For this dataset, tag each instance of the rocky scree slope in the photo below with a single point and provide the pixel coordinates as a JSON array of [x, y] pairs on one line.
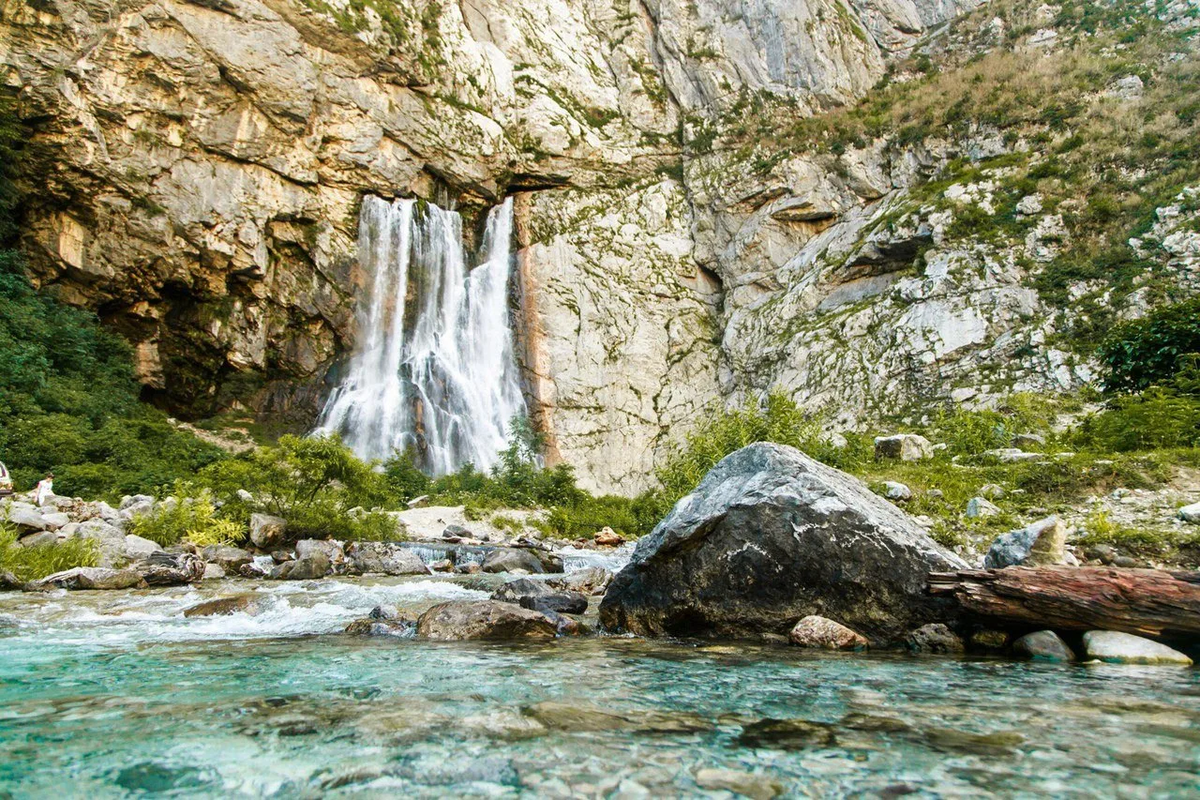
[[194, 172]]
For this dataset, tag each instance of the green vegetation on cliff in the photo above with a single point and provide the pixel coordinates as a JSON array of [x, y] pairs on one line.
[[68, 399]]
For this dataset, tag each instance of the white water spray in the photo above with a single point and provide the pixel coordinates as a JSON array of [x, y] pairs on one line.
[[434, 369]]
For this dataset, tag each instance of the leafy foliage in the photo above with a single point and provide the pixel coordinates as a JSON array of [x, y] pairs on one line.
[[35, 563], [187, 514], [316, 484], [1152, 350]]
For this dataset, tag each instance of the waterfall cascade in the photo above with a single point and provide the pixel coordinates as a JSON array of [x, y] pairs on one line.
[[434, 368]]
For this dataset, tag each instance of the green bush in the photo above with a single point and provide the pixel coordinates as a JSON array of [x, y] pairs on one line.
[[973, 432], [315, 483], [35, 563], [188, 514], [1152, 350]]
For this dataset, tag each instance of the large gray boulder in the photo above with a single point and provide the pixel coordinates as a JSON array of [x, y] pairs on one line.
[[771, 536], [267, 532], [512, 559]]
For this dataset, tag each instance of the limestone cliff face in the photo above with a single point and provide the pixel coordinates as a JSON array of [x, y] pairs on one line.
[[196, 170]]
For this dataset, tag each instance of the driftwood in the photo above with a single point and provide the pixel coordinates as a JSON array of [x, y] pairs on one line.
[[1147, 602]]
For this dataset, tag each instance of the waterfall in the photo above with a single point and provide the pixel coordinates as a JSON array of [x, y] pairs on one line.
[[434, 368]]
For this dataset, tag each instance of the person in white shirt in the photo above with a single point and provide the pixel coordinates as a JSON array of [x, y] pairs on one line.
[[44, 490]]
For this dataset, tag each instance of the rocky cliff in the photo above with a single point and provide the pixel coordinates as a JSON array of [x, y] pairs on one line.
[[195, 170]]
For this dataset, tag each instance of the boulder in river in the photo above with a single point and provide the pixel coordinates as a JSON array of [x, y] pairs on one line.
[[170, 569], [384, 558], [226, 556], [250, 604], [589, 580], [1125, 648], [819, 632], [313, 566], [483, 619], [90, 578], [267, 532], [540, 597], [512, 559], [1042, 646], [771, 536]]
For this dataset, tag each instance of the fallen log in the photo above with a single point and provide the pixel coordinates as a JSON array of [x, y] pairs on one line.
[[1146, 602]]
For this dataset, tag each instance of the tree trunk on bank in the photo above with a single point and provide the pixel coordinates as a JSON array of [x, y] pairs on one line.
[[1146, 602]]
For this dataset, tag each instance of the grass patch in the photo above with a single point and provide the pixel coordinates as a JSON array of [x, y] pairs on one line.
[[35, 563]]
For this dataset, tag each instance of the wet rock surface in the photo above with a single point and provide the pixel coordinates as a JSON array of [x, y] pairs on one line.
[[819, 632], [483, 619], [771, 536], [1042, 646], [1125, 648]]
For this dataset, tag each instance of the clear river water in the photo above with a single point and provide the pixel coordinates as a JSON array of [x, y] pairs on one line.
[[107, 694]]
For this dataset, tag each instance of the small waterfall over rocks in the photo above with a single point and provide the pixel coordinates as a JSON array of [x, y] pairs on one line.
[[434, 368]]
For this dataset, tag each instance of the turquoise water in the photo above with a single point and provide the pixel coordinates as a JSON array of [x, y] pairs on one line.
[[106, 694]]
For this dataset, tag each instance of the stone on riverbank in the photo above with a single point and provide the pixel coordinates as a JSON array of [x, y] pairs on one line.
[[1042, 646], [934, 638], [1190, 513], [771, 536], [90, 578], [820, 632], [267, 532], [170, 569], [1040, 544], [483, 619], [227, 557], [902, 446], [1125, 648]]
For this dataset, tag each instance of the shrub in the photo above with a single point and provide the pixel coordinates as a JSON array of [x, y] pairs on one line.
[[35, 563], [316, 484], [1152, 350], [187, 514]]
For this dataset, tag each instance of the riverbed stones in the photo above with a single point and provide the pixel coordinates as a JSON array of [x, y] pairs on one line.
[[383, 558], [1043, 543], [934, 638], [249, 604], [512, 559], [819, 632], [483, 619], [1190, 513], [1042, 646], [91, 578], [581, 717], [771, 536], [903, 447], [1125, 648], [745, 784], [267, 532], [170, 569]]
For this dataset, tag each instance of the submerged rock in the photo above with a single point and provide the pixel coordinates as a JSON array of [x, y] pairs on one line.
[[483, 619], [746, 784], [1042, 646], [985, 744], [580, 717], [1125, 648], [238, 604], [1042, 543], [815, 631], [787, 734], [771, 536]]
